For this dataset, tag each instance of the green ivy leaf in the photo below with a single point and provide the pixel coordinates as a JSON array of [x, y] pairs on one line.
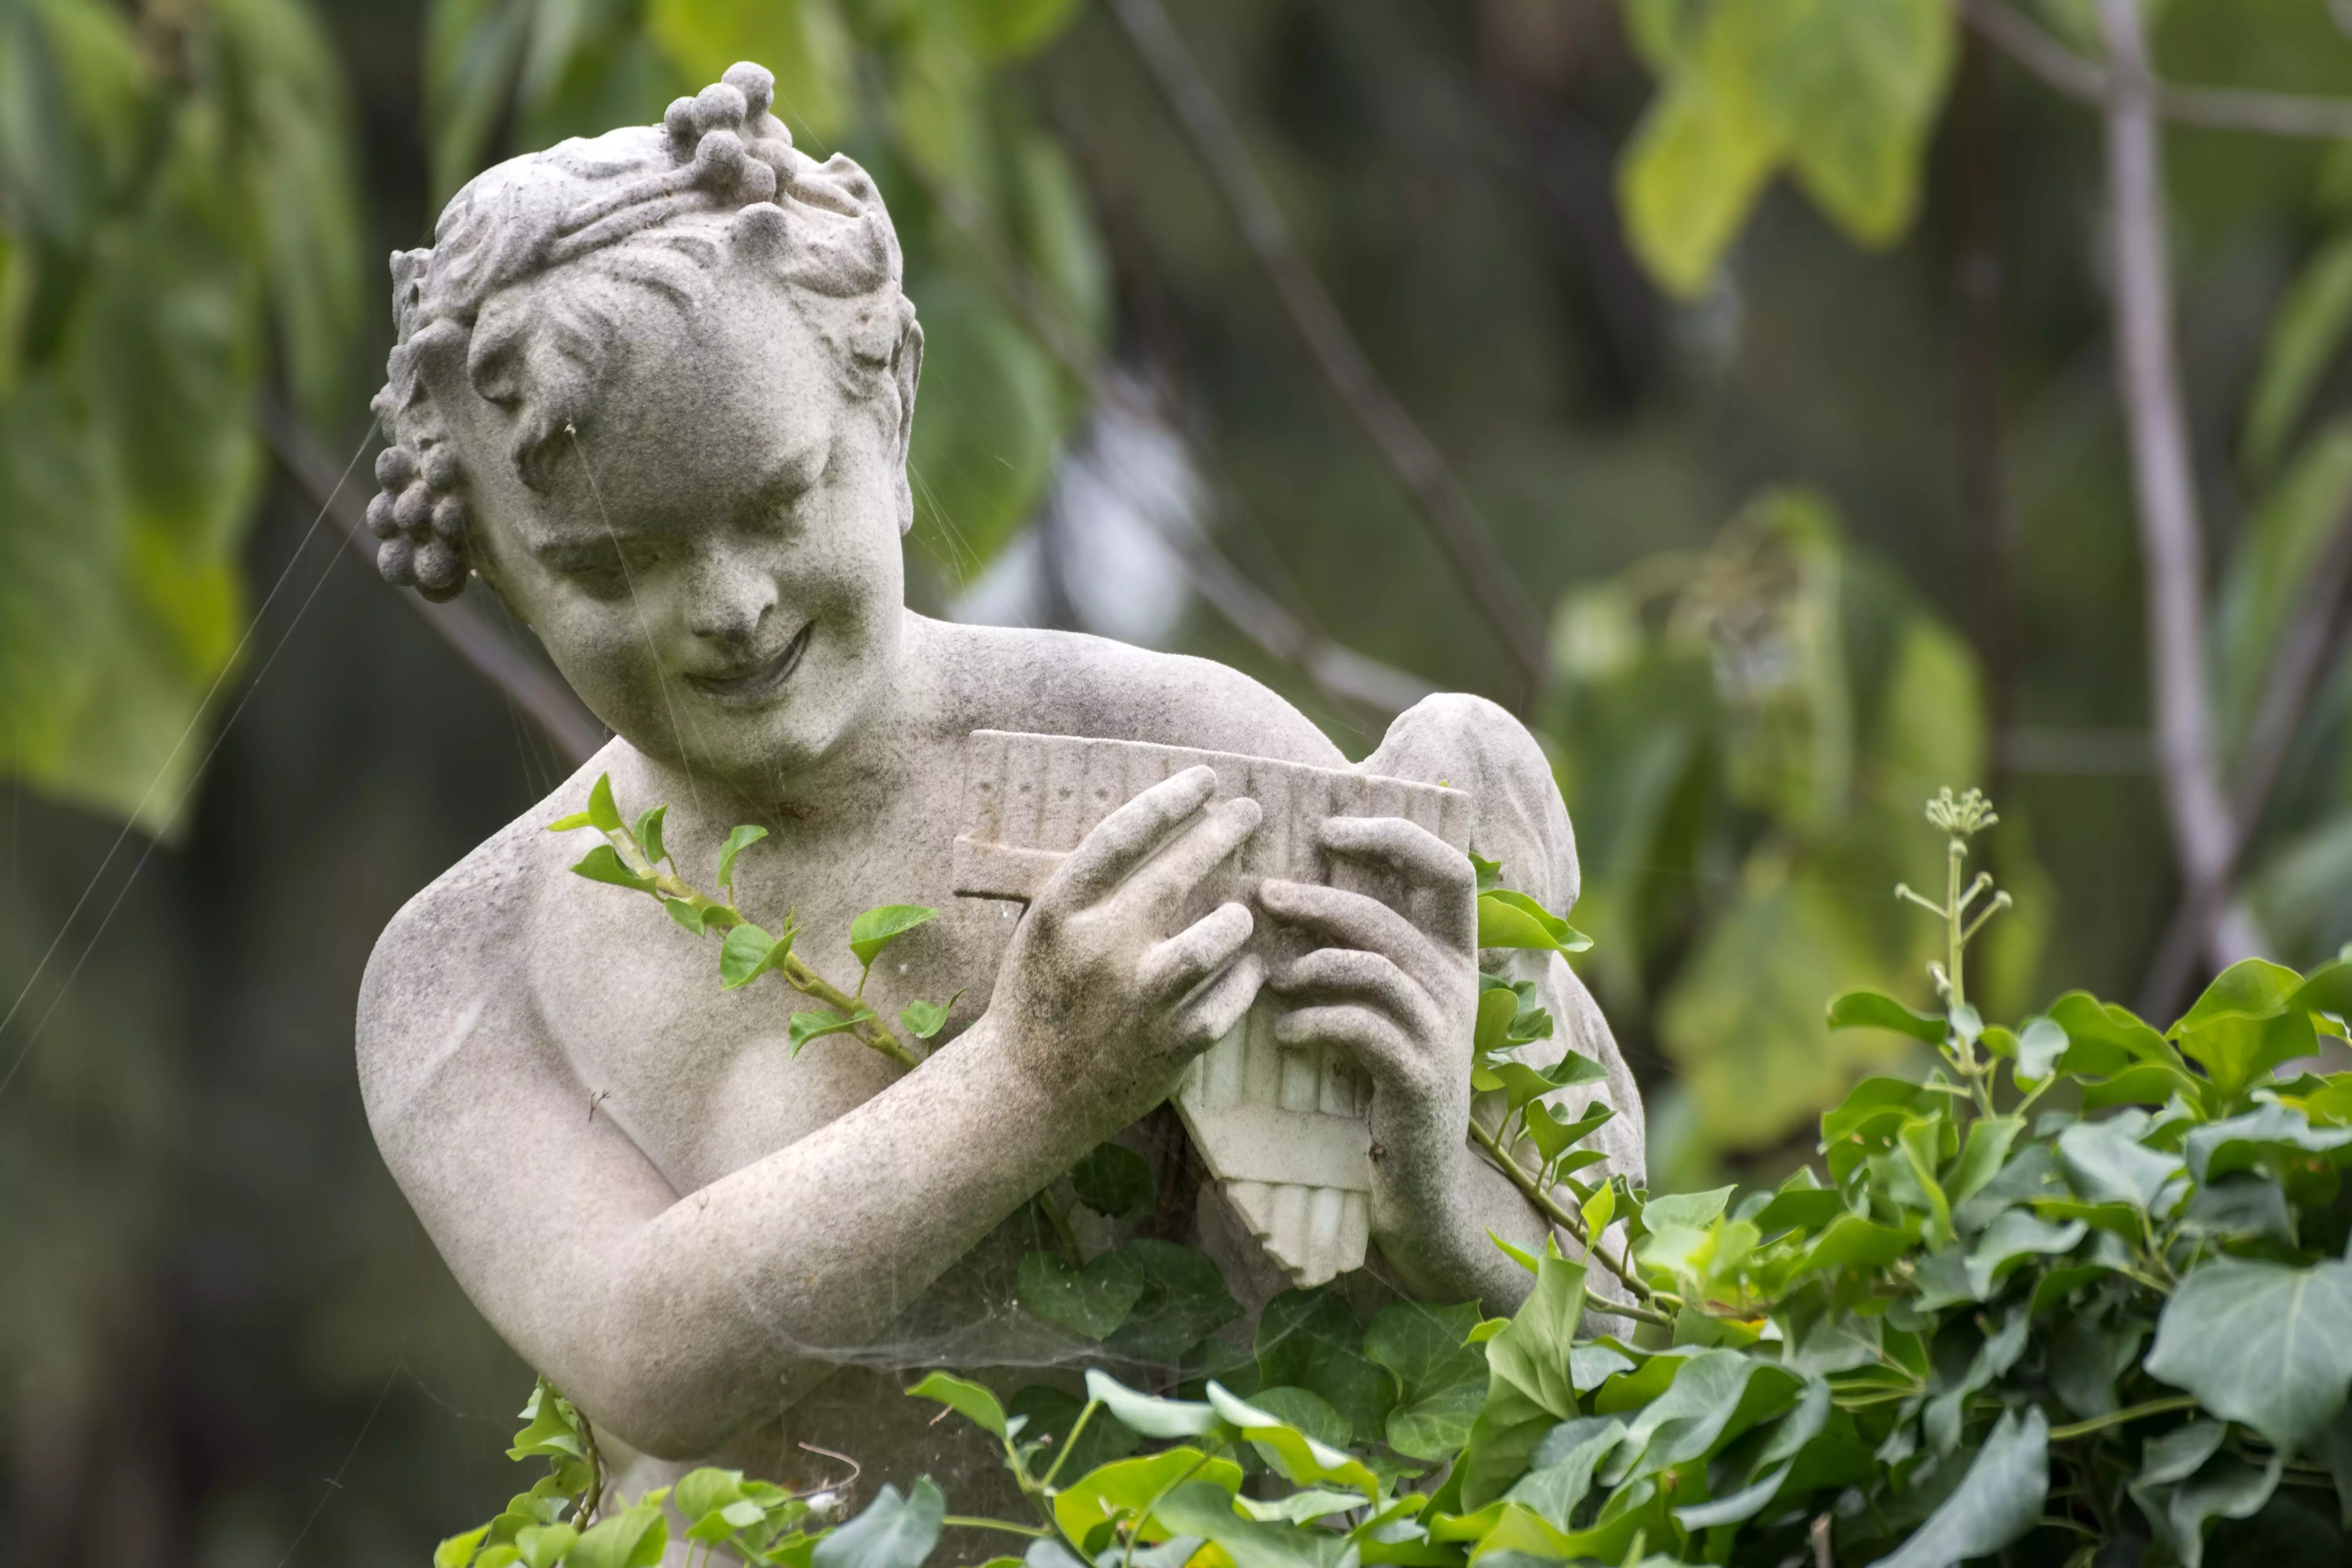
[[1512, 919], [1441, 1377], [459, 1550], [1115, 1181], [894, 1532], [603, 864], [1147, 1416], [877, 929], [603, 814], [2304, 335], [648, 833], [738, 839], [1299, 1458], [807, 1026], [544, 1545], [1312, 1340], [975, 1403], [634, 1538], [749, 952], [687, 916], [1091, 1302], [923, 1019], [1995, 1503], [1184, 1300], [1102, 1499], [1876, 1010], [2261, 1343], [1308, 1413]]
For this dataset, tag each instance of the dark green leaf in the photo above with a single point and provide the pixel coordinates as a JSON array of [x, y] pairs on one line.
[[1560, 1472], [1876, 1010], [1184, 1300], [1115, 1181], [1440, 1377], [1312, 1340], [2261, 1343], [1048, 1414], [2305, 333], [1091, 1303], [894, 1532], [1995, 1503]]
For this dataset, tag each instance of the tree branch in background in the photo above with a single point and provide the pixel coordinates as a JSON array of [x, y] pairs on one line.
[[1352, 678], [1431, 483], [2209, 107], [2305, 650], [2171, 553], [571, 729]]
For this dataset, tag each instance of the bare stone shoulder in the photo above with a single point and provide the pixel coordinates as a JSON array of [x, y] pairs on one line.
[[452, 949]]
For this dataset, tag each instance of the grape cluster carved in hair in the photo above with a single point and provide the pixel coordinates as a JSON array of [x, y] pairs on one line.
[[421, 520]]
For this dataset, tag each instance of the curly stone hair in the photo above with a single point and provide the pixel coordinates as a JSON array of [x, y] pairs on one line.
[[537, 265]]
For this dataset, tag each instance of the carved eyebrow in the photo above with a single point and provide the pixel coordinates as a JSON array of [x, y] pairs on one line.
[[576, 554], [792, 476]]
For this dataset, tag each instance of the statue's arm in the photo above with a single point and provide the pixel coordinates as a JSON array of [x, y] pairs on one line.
[[680, 1318]]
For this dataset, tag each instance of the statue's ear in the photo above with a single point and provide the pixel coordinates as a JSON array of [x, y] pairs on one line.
[[906, 372]]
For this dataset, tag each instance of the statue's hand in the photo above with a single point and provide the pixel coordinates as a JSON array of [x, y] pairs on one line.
[[1101, 1000], [1399, 996]]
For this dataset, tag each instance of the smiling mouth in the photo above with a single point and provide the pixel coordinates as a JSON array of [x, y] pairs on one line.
[[758, 684]]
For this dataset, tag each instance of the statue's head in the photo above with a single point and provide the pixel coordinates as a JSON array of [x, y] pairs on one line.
[[655, 389]]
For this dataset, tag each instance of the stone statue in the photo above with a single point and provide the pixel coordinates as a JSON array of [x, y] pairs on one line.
[[654, 388]]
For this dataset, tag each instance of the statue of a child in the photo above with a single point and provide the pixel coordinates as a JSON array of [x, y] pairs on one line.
[[655, 389]]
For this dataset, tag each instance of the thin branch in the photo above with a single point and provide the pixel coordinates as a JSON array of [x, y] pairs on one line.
[[2208, 108], [2305, 650], [1340, 671], [2171, 551], [1431, 483], [571, 729]]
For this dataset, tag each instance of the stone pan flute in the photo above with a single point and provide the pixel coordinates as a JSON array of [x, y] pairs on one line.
[[1282, 1131]]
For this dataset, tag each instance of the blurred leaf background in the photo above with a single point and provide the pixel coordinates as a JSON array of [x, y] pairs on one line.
[[1769, 343]]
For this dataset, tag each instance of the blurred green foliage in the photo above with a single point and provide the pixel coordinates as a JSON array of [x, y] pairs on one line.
[[179, 201]]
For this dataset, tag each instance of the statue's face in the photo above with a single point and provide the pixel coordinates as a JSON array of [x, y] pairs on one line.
[[716, 569]]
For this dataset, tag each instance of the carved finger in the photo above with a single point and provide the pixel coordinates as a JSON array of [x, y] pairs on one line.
[[1210, 1016], [1197, 849], [1348, 920], [1424, 860], [1370, 1037], [1199, 950], [1348, 974], [1126, 838]]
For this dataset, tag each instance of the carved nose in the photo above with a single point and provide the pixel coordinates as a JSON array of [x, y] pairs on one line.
[[730, 604]]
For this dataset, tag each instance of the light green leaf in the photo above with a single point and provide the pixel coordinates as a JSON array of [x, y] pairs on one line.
[[738, 840], [687, 916], [968, 1399], [578, 819], [2261, 1343], [648, 833], [603, 864], [1123, 1489], [877, 929], [1306, 1412], [634, 1538], [807, 1026], [603, 814], [894, 1532], [1204, 1510], [1532, 1354], [1876, 1010], [1148, 1416], [748, 953], [2040, 1044], [1691, 1211], [923, 1019], [1857, 85], [459, 1550], [1512, 919], [544, 1545], [1995, 1503]]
